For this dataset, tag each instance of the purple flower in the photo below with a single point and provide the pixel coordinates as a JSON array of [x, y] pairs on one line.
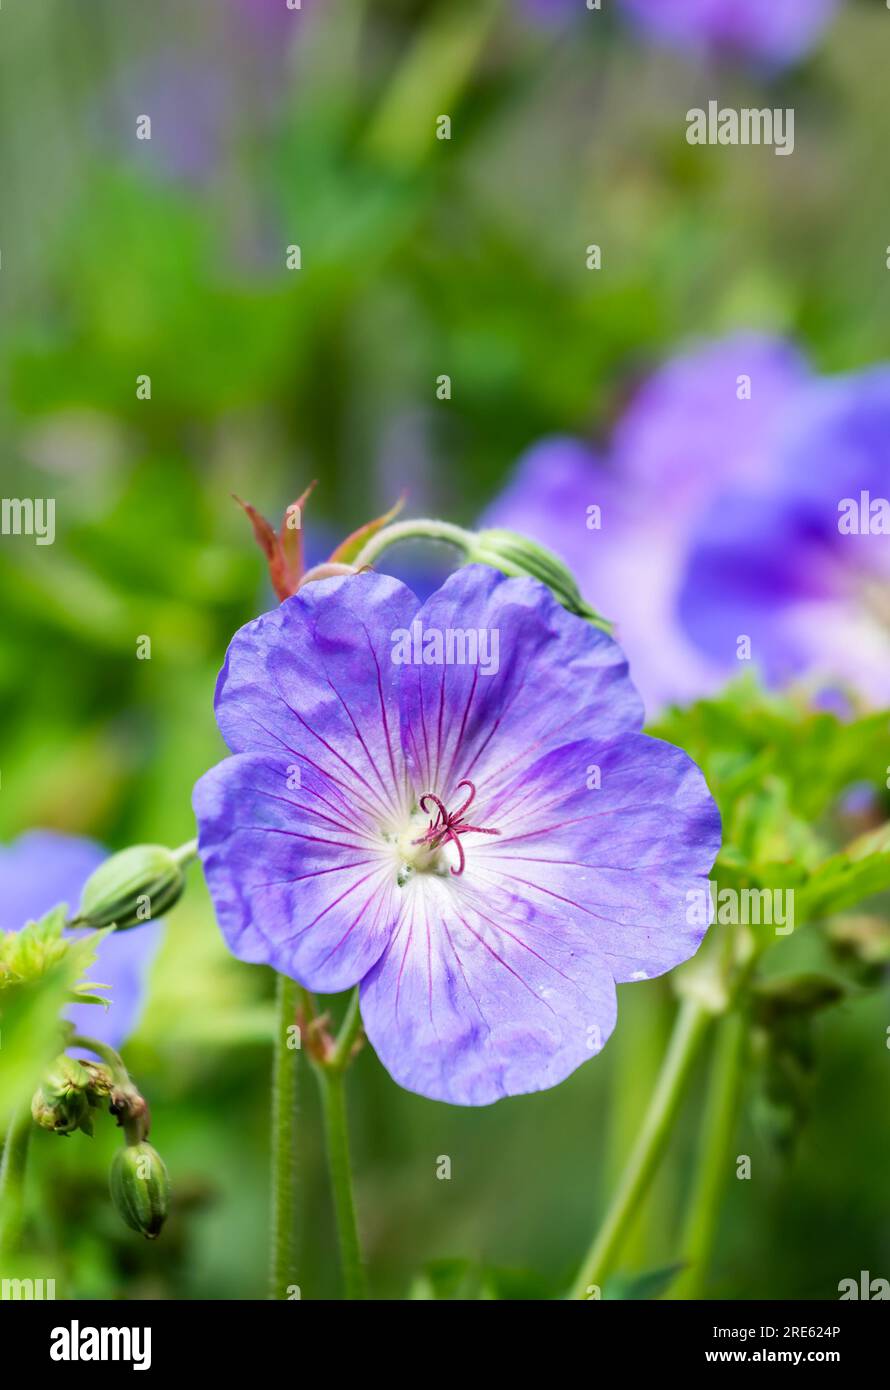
[[626, 558], [273, 19], [801, 564], [202, 100], [708, 420], [42, 869], [709, 417], [743, 498], [772, 32], [486, 846]]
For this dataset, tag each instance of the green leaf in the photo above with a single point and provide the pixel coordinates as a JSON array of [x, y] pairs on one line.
[[856, 873], [350, 548], [649, 1285], [40, 968], [452, 1280], [462, 1280], [29, 1035], [747, 735]]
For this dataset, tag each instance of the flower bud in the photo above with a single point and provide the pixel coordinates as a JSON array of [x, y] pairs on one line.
[[140, 1188], [62, 1104], [137, 885], [516, 555], [62, 1114]]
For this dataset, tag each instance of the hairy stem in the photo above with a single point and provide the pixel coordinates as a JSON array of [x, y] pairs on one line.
[[12, 1180], [283, 1275], [331, 1080]]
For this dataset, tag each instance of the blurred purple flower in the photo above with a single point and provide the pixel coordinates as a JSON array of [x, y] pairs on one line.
[[273, 20], [44, 868], [688, 433], [801, 564], [628, 567], [202, 100], [190, 103], [690, 428], [486, 848], [772, 32]]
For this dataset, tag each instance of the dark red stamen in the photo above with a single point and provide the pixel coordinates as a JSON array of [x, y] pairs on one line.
[[450, 825]]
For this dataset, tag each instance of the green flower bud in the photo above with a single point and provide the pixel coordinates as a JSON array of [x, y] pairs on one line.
[[516, 555], [57, 1115], [138, 885], [68, 1075], [101, 1082], [140, 1188], [62, 1104]]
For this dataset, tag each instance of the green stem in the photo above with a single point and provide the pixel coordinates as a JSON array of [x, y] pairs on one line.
[[113, 1060], [283, 1275], [431, 80], [186, 853], [419, 530], [346, 1038], [639, 1047], [691, 1025], [331, 1081], [718, 1128], [12, 1181]]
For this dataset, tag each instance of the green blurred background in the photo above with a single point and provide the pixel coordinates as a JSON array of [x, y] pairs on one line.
[[419, 257]]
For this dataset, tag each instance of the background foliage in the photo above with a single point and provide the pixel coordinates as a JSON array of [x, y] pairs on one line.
[[419, 257]]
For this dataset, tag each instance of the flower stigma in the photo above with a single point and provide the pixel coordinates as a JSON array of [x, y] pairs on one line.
[[425, 853]]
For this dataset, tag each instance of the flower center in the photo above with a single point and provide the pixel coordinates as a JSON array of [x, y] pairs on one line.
[[424, 853]]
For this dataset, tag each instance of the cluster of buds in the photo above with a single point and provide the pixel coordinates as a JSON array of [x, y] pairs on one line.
[[71, 1091], [140, 1188]]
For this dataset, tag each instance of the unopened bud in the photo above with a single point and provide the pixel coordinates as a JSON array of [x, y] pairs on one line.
[[135, 886], [140, 1188], [516, 555], [62, 1104]]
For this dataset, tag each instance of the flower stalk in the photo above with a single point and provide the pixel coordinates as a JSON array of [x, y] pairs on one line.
[[330, 1065], [718, 1127], [512, 554], [12, 1180], [283, 1273], [415, 530], [333, 1101], [691, 1026], [330, 1059]]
